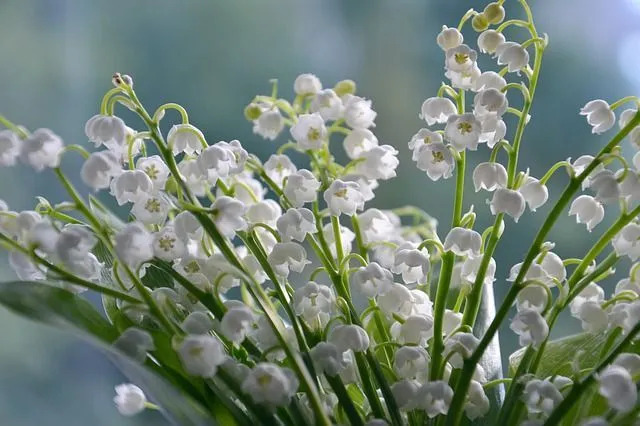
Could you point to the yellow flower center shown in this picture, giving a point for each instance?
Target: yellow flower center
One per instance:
(152, 205)
(465, 127)
(438, 156)
(461, 58)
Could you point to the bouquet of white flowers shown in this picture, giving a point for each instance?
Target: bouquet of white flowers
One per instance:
(243, 292)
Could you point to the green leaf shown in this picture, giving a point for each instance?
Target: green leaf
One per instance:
(62, 309)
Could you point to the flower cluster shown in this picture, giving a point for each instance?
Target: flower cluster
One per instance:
(274, 293)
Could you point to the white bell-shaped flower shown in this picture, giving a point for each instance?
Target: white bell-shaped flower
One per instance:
(459, 347)
(166, 244)
(367, 186)
(349, 337)
(24, 268)
(489, 40)
(629, 186)
(107, 130)
(328, 104)
(404, 392)
(287, 257)
(449, 38)
(541, 397)
(437, 110)
(301, 187)
(599, 115)
(228, 214)
(278, 167)
(372, 280)
(465, 80)
(435, 159)
(192, 176)
(470, 268)
(358, 113)
(295, 224)
(627, 241)
(270, 384)
(237, 322)
(346, 237)
(327, 358)
(185, 138)
(410, 361)
(413, 264)
(422, 304)
(493, 131)
(134, 245)
(269, 124)
(605, 184)
(477, 404)
(534, 193)
(460, 58)
(594, 319)
(463, 242)
(307, 84)
(591, 293)
(375, 225)
(513, 55)
(416, 330)
(587, 210)
(530, 326)
(151, 209)
(489, 80)
(434, 398)
(617, 386)
(73, 244)
(489, 176)
(423, 137)
(201, 355)
(629, 361)
(156, 169)
(136, 343)
(215, 162)
(315, 303)
(9, 148)
(266, 212)
(131, 186)
(359, 141)
(41, 149)
(187, 227)
(343, 197)
(398, 300)
(309, 131)
(463, 131)
(380, 162)
(508, 201)
(130, 399)
(98, 170)
(490, 102)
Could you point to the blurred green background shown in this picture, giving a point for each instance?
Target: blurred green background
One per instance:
(57, 58)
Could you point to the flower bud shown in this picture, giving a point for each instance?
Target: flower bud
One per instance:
(494, 12)
(480, 22)
(252, 112)
(345, 87)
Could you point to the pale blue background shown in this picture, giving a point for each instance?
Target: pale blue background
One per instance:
(57, 56)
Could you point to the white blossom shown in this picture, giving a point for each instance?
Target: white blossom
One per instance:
(594, 319)
(315, 303)
(349, 337)
(151, 209)
(301, 187)
(490, 102)
(465, 80)
(617, 386)
(134, 245)
(327, 358)
(435, 159)
(463, 242)
(534, 193)
(309, 131)
(295, 224)
(410, 361)
(404, 392)
(530, 326)
(629, 361)
(215, 162)
(107, 130)
(541, 397)
(9, 148)
(375, 225)
(328, 104)
(130, 399)
(488, 80)
(416, 329)
(237, 322)
(470, 266)
(513, 55)
(266, 212)
(156, 169)
(166, 244)
(269, 124)
(270, 384)
(627, 241)
(599, 115)
(434, 397)
(489, 176)
(587, 210)
(41, 149)
(343, 197)
(508, 201)
(286, 257)
(359, 141)
(278, 167)
(358, 113)
(372, 280)
(346, 237)
(449, 38)
(136, 343)
(185, 138)
(307, 84)
(437, 110)
(489, 40)
(228, 214)
(413, 264)
(201, 355)
(98, 170)
(605, 184)
(423, 137)
(463, 131)
(131, 186)
(459, 347)
(460, 58)
(477, 404)
(591, 293)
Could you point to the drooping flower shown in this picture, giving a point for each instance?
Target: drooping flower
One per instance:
(201, 355)
(98, 170)
(270, 384)
(380, 162)
(463, 131)
(437, 110)
(359, 141)
(489, 176)
(413, 264)
(134, 245)
(449, 38)
(295, 224)
(344, 197)
(463, 242)
(9, 148)
(599, 115)
(185, 138)
(301, 187)
(587, 210)
(41, 149)
(130, 186)
(513, 55)
(530, 326)
(349, 337)
(410, 361)
(309, 131)
(228, 214)
(285, 257)
(307, 84)
(434, 397)
(130, 399)
(372, 280)
(617, 386)
(358, 113)
(508, 201)
(489, 40)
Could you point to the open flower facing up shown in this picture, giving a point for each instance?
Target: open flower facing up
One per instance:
(257, 289)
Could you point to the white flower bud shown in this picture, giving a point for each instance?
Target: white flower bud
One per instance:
(489, 176)
(434, 397)
(380, 162)
(309, 131)
(358, 113)
(534, 193)
(134, 245)
(435, 159)
(437, 110)
(513, 55)
(328, 104)
(477, 404)
(278, 167)
(461, 345)
(201, 355)
(617, 386)
(227, 214)
(599, 115)
(449, 38)
(107, 130)
(9, 148)
(463, 131)
(508, 201)
(627, 241)
(413, 264)
(359, 141)
(237, 322)
(131, 186)
(343, 197)
(288, 256)
(541, 397)
(530, 326)
(295, 224)
(463, 242)
(185, 138)
(327, 358)
(587, 210)
(301, 187)
(307, 84)
(349, 337)
(98, 170)
(460, 58)
(372, 280)
(410, 361)
(41, 149)
(489, 40)
(130, 399)
(270, 384)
